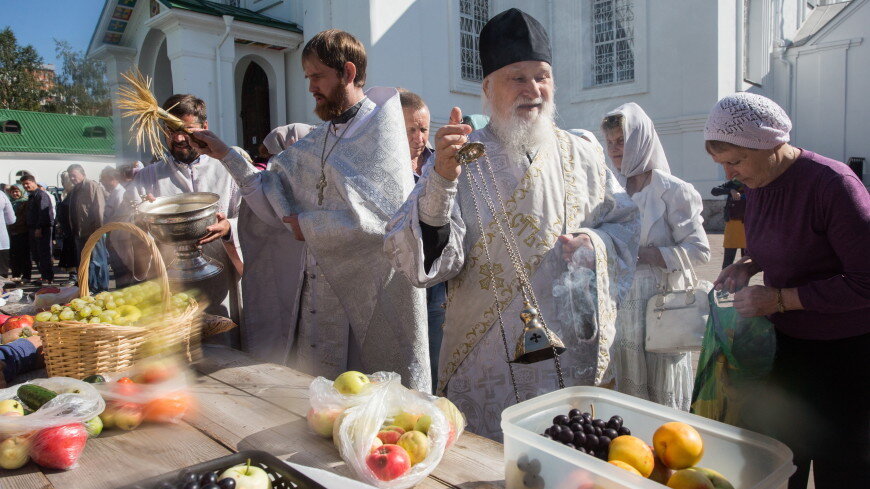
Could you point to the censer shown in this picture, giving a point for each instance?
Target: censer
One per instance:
(179, 220)
(536, 342)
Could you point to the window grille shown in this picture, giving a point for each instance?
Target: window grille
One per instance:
(612, 42)
(473, 14)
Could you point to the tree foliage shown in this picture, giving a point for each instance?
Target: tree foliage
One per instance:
(20, 88)
(81, 85)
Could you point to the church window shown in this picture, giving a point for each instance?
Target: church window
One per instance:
(473, 14)
(10, 126)
(612, 41)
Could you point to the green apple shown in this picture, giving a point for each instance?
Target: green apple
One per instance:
(351, 382)
(406, 420)
(14, 452)
(11, 406)
(423, 424)
(94, 426)
(247, 477)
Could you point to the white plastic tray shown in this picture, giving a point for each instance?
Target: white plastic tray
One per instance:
(747, 459)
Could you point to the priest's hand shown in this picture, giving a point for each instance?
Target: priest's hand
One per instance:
(573, 242)
(293, 221)
(209, 144)
(217, 230)
(448, 140)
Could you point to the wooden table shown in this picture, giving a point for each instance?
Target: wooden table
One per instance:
(244, 405)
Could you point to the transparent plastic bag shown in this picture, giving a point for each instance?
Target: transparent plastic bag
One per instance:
(76, 402)
(327, 404)
(157, 389)
(359, 425)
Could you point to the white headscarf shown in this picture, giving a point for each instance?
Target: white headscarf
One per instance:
(642, 151)
(749, 120)
(283, 136)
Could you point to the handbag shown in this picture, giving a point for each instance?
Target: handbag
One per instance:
(676, 319)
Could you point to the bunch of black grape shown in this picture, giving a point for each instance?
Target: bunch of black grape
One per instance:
(586, 434)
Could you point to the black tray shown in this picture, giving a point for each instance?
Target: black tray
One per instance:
(282, 474)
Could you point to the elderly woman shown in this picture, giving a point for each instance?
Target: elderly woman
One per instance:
(671, 223)
(808, 229)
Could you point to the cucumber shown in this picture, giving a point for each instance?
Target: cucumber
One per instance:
(94, 379)
(34, 396)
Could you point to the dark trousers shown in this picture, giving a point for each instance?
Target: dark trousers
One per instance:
(436, 298)
(19, 255)
(4, 263)
(41, 250)
(98, 268)
(817, 403)
(730, 255)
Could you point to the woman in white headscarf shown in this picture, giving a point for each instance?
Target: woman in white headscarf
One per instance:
(670, 218)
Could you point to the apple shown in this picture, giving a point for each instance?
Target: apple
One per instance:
(719, 481)
(351, 382)
(690, 479)
(127, 416)
(14, 452)
(321, 422)
(416, 444)
(634, 452)
(94, 427)
(454, 416)
(247, 476)
(390, 435)
(625, 466)
(16, 322)
(406, 420)
(11, 406)
(388, 462)
(661, 473)
(678, 445)
(59, 447)
(423, 424)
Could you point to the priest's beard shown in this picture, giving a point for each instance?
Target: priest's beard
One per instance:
(333, 105)
(519, 134)
(183, 152)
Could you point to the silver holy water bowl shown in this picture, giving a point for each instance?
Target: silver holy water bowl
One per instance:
(180, 221)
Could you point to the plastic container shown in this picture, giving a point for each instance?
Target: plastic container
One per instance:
(283, 475)
(747, 459)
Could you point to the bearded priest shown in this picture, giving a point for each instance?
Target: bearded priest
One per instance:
(574, 227)
(335, 189)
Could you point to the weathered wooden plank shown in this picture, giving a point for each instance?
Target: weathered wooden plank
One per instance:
(246, 422)
(473, 458)
(123, 457)
(27, 477)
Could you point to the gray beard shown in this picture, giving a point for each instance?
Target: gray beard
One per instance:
(519, 136)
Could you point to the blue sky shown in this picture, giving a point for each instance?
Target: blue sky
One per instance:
(39, 22)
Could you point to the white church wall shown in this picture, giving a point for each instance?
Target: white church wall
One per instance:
(47, 167)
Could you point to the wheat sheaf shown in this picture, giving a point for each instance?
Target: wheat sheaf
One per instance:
(137, 100)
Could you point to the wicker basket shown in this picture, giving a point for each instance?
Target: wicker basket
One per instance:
(75, 349)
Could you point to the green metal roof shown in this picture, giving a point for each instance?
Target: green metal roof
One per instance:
(42, 132)
(243, 14)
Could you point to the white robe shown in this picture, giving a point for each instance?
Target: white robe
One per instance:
(670, 217)
(169, 177)
(354, 311)
(566, 189)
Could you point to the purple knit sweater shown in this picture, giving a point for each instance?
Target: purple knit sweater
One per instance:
(810, 229)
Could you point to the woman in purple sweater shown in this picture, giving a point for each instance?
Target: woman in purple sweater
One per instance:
(808, 229)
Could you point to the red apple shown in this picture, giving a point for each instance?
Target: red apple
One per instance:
(388, 462)
(59, 447)
(390, 435)
(16, 322)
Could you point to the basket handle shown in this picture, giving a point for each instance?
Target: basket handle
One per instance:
(91, 243)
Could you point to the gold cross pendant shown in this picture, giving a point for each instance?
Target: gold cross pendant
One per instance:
(321, 186)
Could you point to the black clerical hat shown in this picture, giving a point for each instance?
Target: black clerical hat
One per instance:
(513, 36)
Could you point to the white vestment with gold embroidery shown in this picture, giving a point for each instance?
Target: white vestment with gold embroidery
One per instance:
(566, 189)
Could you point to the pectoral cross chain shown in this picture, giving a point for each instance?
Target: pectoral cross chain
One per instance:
(321, 186)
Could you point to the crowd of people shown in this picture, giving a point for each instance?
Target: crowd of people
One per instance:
(355, 245)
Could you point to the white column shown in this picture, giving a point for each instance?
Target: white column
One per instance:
(118, 60)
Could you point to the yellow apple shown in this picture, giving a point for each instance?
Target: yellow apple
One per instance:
(423, 423)
(634, 452)
(678, 445)
(11, 406)
(454, 416)
(351, 382)
(321, 422)
(690, 479)
(416, 444)
(14, 452)
(406, 420)
(625, 466)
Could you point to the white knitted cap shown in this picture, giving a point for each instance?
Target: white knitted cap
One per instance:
(748, 120)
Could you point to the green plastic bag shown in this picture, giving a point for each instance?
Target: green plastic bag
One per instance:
(736, 356)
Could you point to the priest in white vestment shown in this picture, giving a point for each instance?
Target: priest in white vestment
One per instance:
(563, 205)
(185, 169)
(336, 189)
